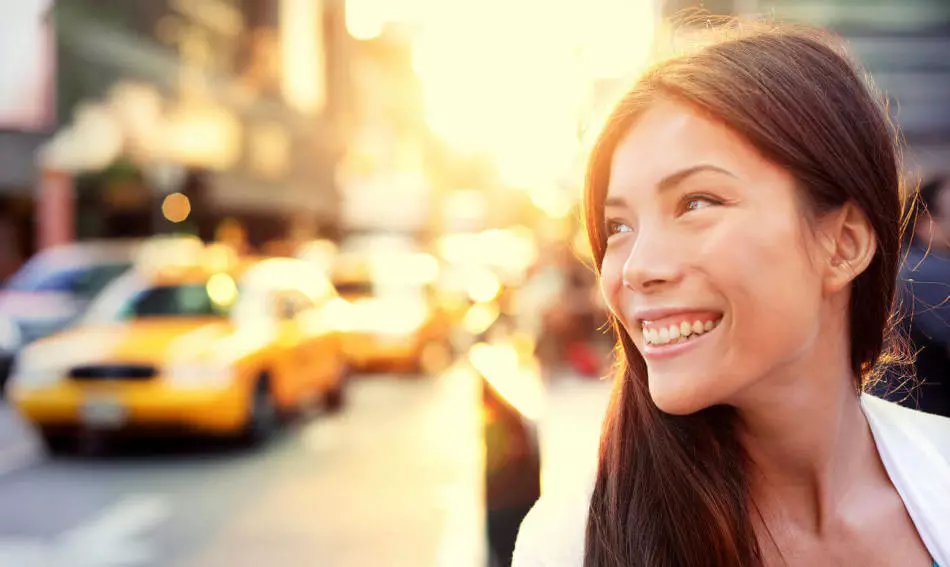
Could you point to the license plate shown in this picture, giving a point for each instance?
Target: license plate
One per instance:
(103, 413)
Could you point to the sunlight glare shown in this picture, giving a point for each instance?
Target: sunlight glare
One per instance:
(519, 87)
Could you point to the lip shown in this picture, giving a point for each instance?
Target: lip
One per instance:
(660, 352)
(647, 315)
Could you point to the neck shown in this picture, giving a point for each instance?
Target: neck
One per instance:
(809, 446)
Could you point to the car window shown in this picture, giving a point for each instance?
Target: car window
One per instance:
(90, 283)
(286, 304)
(85, 281)
(190, 300)
(298, 301)
(303, 301)
(355, 289)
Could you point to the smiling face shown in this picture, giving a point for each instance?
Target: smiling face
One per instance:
(710, 265)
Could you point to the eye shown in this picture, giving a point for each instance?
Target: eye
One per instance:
(617, 227)
(696, 202)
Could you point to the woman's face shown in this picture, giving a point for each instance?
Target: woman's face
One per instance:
(709, 266)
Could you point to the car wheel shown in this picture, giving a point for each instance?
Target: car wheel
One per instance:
(335, 399)
(58, 443)
(264, 416)
(5, 365)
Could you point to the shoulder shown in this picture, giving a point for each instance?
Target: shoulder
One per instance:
(915, 449)
(553, 532)
(890, 419)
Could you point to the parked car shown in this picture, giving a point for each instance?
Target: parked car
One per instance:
(221, 348)
(53, 288)
(393, 321)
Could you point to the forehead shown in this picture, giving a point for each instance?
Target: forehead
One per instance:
(670, 137)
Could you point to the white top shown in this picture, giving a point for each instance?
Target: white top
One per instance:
(914, 446)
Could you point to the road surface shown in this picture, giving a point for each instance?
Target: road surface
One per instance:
(393, 480)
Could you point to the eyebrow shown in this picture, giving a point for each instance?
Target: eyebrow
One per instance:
(671, 181)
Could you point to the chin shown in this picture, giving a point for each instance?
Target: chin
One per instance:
(679, 397)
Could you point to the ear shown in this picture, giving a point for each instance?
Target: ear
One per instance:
(849, 247)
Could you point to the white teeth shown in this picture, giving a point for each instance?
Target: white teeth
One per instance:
(673, 333)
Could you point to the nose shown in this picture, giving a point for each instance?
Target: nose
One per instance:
(654, 263)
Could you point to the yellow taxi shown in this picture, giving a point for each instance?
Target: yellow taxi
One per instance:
(392, 320)
(219, 348)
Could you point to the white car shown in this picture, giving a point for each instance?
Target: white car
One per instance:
(56, 285)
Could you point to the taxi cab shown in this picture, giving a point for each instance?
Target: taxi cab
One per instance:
(220, 347)
(53, 288)
(392, 320)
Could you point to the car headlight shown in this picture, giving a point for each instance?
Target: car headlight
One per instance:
(199, 375)
(10, 337)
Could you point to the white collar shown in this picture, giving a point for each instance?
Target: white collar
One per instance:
(915, 450)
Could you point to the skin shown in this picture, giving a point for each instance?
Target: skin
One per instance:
(736, 241)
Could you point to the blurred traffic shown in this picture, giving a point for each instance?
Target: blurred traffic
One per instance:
(216, 343)
(305, 282)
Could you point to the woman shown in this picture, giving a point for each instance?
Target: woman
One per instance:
(744, 211)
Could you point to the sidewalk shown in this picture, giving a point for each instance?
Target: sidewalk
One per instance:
(19, 446)
(394, 480)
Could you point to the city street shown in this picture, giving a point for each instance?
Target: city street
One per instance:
(393, 480)
(390, 481)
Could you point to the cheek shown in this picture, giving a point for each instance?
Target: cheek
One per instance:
(774, 291)
(756, 255)
(611, 281)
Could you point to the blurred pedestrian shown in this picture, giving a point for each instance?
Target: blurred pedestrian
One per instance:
(924, 299)
(743, 206)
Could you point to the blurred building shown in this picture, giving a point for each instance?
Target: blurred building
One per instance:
(399, 175)
(902, 43)
(251, 92)
(27, 118)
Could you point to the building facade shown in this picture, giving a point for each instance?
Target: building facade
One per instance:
(27, 119)
(903, 45)
(250, 92)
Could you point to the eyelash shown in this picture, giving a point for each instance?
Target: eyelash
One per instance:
(613, 225)
(684, 207)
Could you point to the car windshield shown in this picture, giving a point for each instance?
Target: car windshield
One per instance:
(85, 281)
(191, 300)
(355, 288)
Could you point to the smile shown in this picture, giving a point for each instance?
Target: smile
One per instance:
(669, 332)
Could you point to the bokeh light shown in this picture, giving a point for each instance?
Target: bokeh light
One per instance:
(176, 207)
(222, 290)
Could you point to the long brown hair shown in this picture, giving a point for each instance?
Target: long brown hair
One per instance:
(671, 491)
